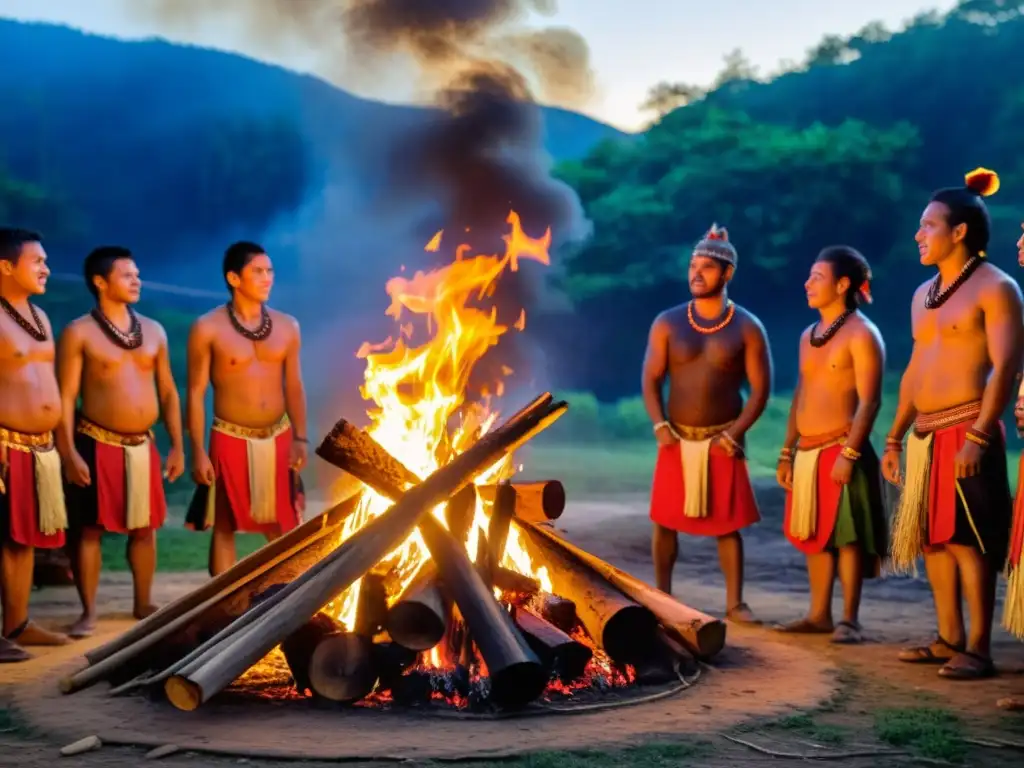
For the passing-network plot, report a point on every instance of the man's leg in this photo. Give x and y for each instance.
(16, 562)
(851, 577)
(821, 573)
(222, 542)
(978, 581)
(730, 559)
(664, 549)
(85, 549)
(944, 579)
(141, 555)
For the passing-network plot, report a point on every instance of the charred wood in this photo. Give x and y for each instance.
(566, 657)
(419, 617)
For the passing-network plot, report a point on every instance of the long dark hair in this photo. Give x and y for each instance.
(849, 263)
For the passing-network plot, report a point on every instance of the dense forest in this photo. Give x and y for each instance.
(845, 147)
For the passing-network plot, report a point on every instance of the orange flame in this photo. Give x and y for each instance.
(417, 390)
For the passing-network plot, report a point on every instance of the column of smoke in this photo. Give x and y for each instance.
(480, 152)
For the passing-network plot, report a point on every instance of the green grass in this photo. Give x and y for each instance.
(178, 550)
(927, 731)
(649, 755)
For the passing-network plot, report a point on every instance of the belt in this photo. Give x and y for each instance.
(104, 435)
(930, 422)
(251, 433)
(700, 433)
(23, 441)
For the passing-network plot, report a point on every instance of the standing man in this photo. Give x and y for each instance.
(968, 349)
(708, 348)
(834, 509)
(32, 509)
(1013, 602)
(118, 362)
(250, 354)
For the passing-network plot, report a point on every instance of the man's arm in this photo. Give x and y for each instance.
(905, 410)
(1004, 337)
(790, 440)
(758, 364)
(294, 388)
(654, 370)
(170, 403)
(70, 361)
(199, 357)
(868, 353)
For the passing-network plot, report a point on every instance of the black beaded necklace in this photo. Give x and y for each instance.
(937, 298)
(832, 330)
(130, 340)
(38, 331)
(265, 327)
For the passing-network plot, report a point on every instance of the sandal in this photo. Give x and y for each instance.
(11, 653)
(847, 633)
(968, 666)
(1011, 704)
(925, 654)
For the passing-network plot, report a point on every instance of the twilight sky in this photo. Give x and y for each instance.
(633, 43)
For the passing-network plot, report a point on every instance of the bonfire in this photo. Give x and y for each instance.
(441, 582)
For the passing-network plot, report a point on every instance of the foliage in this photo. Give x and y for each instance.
(931, 733)
(845, 146)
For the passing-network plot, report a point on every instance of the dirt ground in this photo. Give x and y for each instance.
(844, 697)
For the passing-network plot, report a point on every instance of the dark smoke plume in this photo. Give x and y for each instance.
(480, 152)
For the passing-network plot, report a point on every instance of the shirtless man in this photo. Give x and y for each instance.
(708, 348)
(955, 506)
(118, 362)
(1013, 602)
(32, 509)
(834, 509)
(250, 354)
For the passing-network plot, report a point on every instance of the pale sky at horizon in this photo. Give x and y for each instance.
(633, 43)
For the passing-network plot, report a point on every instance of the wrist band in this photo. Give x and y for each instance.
(978, 437)
(893, 444)
(299, 439)
(849, 453)
(662, 425)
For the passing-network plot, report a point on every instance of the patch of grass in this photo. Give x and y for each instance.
(649, 755)
(807, 727)
(178, 550)
(927, 731)
(12, 725)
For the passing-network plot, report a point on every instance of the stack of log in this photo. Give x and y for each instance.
(521, 642)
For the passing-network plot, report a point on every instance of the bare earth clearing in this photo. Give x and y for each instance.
(798, 696)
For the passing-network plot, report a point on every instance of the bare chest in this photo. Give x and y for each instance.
(831, 359)
(18, 348)
(722, 350)
(106, 359)
(960, 316)
(232, 352)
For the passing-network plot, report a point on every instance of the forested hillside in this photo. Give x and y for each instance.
(845, 147)
(164, 146)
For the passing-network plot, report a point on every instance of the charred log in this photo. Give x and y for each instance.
(566, 657)
(625, 629)
(342, 667)
(508, 580)
(391, 660)
(372, 606)
(555, 609)
(536, 502)
(704, 635)
(298, 647)
(418, 619)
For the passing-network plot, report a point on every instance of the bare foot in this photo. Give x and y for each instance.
(12, 652)
(31, 633)
(741, 614)
(145, 611)
(937, 652)
(806, 627)
(84, 627)
(1011, 703)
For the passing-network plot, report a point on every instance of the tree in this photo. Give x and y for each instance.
(738, 68)
(665, 97)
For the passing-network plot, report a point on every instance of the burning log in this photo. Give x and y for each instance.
(508, 580)
(535, 502)
(341, 668)
(568, 658)
(625, 629)
(216, 604)
(372, 607)
(216, 667)
(703, 635)
(555, 609)
(419, 618)
(459, 512)
(298, 647)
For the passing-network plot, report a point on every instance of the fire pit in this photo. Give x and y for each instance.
(441, 583)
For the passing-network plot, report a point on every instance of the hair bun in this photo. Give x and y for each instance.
(983, 181)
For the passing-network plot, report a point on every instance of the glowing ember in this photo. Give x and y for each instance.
(419, 391)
